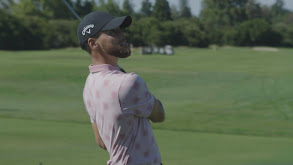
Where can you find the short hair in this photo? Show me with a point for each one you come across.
(85, 46)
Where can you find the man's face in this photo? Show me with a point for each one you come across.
(114, 43)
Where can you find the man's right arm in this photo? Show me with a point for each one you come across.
(98, 138)
(158, 113)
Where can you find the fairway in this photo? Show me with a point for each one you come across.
(225, 106)
(29, 142)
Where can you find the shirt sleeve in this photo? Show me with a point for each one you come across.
(88, 105)
(135, 97)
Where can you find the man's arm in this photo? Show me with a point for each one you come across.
(158, 113)
(98, 137)
(136, 99)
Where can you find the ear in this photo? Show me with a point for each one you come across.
(92, 43)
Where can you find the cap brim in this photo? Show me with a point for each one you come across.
(121, 22)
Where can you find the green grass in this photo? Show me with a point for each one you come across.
(210, 97)
(28, 142)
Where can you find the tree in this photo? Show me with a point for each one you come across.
(127, 8)
(253, 10)
(175, 14)
(266, 13)
(278, 12)
(224, 12)
(162, 10)
(146, 8)
(278, 8)
(84, 7)
(62, 33)
(110, 7)
(219, 16)
(19, 32)
(57, 9)
(194, 33)
(29, 8)
(144, 32)
(11, 28)
(289, 19)
(6, 5)
(256, 32)
(184, 9)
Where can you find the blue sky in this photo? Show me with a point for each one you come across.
(195, 5)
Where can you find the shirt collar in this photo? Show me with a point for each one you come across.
(102, 67)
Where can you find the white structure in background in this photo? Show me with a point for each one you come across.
(155, 50)
(146, 50)
(167, 49)
(162, 51)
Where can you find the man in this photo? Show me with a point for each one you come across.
(119, 104)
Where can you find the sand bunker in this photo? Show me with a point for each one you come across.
(267, 49)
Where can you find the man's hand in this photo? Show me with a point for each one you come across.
(98, 137)
(158, 113)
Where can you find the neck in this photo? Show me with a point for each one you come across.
(99, 59)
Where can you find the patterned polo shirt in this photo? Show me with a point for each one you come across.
(120, 104)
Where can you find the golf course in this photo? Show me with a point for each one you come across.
(224, 106)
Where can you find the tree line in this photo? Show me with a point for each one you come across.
(46, 24)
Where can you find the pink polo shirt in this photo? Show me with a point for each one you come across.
(120, 104)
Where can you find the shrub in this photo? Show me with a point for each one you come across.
(256, 32)
(194, 33)
(286, 30)
(32, 32)
(150, 31)
(62, 34)
(143, 32)
(15, 35)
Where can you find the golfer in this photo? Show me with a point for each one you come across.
(119, 104)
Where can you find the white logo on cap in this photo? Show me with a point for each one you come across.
(87, 29)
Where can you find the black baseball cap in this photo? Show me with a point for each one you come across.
(97, 21)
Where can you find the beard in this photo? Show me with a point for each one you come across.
(120, 49)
